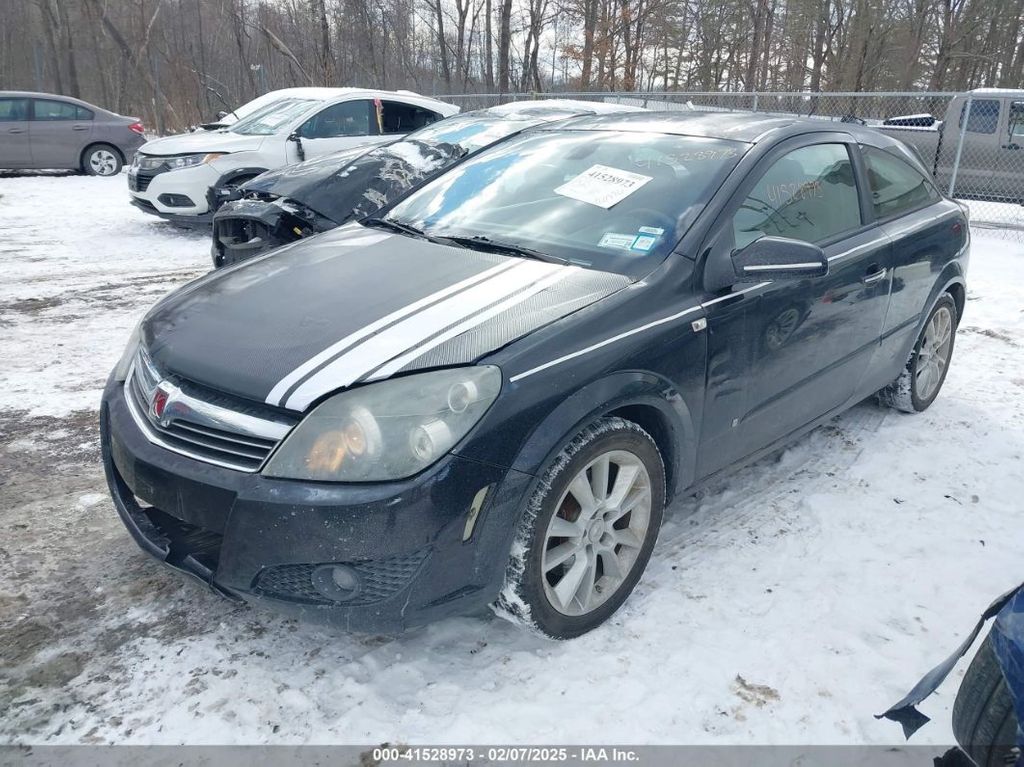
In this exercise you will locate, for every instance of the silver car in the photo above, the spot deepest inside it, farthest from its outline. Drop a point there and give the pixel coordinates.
(41, 130)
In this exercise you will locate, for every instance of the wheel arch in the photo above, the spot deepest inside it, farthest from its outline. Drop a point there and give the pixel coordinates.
(958, 289)
(648, 400)
(250, 171)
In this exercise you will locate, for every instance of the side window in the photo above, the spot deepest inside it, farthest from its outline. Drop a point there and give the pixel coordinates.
(396, 117)
(1017, 119)
(81, 113)
(809, 194)
(13, 109)
(349, 118)
(896, 185)
(43, 109)
(984, 116)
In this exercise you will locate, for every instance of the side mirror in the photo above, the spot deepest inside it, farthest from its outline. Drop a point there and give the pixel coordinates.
(296, 138)
(778, 258)
(221, 114)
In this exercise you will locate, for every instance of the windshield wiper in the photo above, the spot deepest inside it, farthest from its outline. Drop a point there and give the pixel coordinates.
(396, 226)
(402, 228)
(480, 242)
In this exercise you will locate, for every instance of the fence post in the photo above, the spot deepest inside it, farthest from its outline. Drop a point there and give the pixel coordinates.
(964, 122)
(755, 101)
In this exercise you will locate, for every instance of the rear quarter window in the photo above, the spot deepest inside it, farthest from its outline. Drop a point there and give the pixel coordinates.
(896, 185)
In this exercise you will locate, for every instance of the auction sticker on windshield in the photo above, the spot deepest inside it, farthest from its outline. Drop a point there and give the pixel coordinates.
(602, 185)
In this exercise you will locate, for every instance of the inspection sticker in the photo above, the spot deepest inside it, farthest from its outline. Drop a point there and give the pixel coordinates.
(602, 186)
(643, 242)
(619, 241)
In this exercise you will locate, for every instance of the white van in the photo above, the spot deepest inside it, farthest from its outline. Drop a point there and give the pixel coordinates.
(179, 177)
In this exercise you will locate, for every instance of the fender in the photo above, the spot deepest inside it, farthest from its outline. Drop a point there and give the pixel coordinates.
(609, 394)
(219, 193)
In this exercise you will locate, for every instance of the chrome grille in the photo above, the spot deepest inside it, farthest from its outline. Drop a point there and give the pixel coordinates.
(195, 424)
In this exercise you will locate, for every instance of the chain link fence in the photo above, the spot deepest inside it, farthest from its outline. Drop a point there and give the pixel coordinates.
(972, 143)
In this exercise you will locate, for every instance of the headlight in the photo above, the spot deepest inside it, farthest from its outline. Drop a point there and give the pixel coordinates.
(387, 430)
(121, 369)
(191, 160)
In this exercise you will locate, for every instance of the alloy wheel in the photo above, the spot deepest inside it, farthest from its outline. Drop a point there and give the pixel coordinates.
(596, 534)
(103, 162)
(933, 356)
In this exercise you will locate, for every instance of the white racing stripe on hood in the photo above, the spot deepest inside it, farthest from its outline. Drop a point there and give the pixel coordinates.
(399, 362)
(282, 386)
(410, 335)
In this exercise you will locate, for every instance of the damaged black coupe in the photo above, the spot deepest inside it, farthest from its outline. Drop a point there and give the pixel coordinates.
(290, 203)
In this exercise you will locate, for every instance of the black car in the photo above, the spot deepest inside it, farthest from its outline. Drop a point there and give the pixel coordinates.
(487, 395)
(296, 201)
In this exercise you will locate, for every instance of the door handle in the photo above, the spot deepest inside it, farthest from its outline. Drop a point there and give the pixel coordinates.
(80, 127)
(15, 130)
(872, 277)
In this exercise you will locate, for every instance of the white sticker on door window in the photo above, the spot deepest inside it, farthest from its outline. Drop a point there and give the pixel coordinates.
(602, 185)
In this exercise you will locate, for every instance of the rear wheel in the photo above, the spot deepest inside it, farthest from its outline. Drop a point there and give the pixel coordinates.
(101, 160)
(984, 721)
(922, 378)
(588, 531)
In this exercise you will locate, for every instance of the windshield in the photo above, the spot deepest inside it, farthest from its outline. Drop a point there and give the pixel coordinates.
(608, 200)
(271, 118)
(473, 132)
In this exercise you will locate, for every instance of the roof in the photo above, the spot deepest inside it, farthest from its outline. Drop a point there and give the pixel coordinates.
(748, 127)
(58, 96)
(1012, 92)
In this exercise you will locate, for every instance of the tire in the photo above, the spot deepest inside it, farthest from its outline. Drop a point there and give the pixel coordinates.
(102, 160)
(920, 382)
(611, 542)
(984, 722)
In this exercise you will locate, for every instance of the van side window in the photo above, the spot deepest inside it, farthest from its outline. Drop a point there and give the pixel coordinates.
(896, 185)
(809, 194)
(1017, 119)
(984, 116)
(396, 117)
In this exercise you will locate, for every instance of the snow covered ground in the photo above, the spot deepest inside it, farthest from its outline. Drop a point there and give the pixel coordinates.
(786, 605)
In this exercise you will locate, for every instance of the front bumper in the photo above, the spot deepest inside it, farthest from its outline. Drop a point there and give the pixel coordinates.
(244, 228)
(176, 195)
(260, 539)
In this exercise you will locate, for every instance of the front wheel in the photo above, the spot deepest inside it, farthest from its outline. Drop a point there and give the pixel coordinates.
(587, 532)
(102, 160)
(922, 378)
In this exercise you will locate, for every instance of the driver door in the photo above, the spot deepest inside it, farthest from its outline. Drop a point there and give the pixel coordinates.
(784, 353)
(340, 126)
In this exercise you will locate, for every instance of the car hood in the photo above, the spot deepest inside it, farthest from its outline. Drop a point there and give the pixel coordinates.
(202, 141)
(356, 182)
(356, 305)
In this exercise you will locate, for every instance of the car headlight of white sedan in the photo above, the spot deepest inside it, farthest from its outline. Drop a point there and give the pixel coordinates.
(388, 430)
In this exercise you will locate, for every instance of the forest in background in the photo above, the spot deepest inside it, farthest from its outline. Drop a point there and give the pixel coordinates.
(178, 62)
